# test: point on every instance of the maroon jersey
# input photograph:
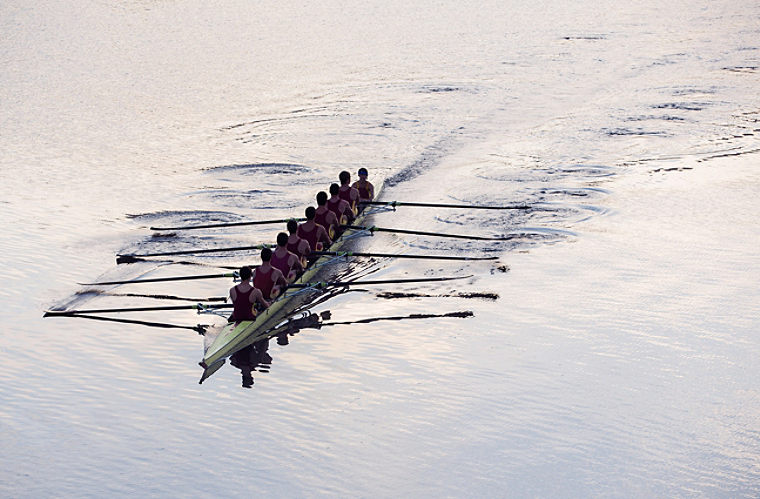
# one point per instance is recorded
(263, 282)
(293, 247)
(311, 236)
(281, 263)
(335, 207)
(241, 307)
(345, 193)
(363, 191)
(321, 219)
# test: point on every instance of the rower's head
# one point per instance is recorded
(344, 177)
(292, 226)
(245, 273)
(282, 239)
(266, 254)
(321, 198)
(334, 189)
(310, 213)
(363, 173)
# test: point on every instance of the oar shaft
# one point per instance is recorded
(337, 284)
(199, 251)
(425, 233)
(445, 205)
(160, 279)
(229, 224)
(393, 255)
(199, 328)
(64, 313)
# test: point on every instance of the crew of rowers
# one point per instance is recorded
(294, 249)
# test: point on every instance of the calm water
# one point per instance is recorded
(619, 359)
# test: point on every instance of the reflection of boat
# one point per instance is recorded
(234, 337)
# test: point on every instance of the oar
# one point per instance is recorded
(423, 233)
(161, 279)
(198, 306)
(338, 284)
(394, 255)
(200, 328)
(444, 205)
(229, 224)
(460, 315)
(168, 297)
(136, 258)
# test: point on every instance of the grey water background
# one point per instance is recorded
(620, 359)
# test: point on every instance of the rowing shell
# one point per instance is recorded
(234, 337)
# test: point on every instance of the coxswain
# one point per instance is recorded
(339, 206)
(244, 298)
(296, 244)
(268, 279)
(364, 186)
(315, 234)
(347, 192)
(324, 217)
(285, 261)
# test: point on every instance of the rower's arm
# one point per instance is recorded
(324, 235)
(279, 278)
(305, 248)
(296, 263)
(256, 296)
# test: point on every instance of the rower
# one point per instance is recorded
(365, 187)
(324, 217)
(268, 279)
(315, 234)
(285, 261)
(296, 244)
(245, 297)
(350, 194)
(339, 206)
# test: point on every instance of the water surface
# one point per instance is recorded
(618, 359)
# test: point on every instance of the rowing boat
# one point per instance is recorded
(234, 337)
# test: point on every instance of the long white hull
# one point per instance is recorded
(235, 337)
